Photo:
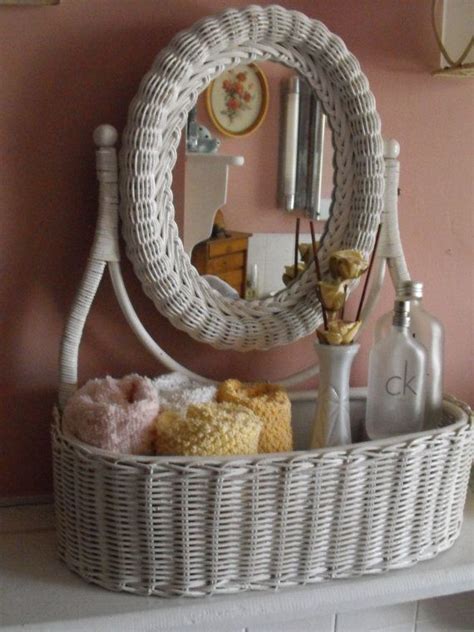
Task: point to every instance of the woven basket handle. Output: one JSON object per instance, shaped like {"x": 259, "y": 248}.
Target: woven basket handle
{"x": 389, "y": 250}
{"x": 390, "y": 246}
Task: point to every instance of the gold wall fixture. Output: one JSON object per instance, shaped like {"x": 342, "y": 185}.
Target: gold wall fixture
{"x": 456, "y": 67}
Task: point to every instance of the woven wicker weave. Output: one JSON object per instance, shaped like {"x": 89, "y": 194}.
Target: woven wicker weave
{"x": 156, "y": 118}
{"x": 181, "y": 526}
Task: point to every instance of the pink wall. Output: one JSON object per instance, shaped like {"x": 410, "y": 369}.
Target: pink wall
{"x": 65, "y": 70}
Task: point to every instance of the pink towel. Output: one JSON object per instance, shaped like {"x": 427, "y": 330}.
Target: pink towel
{"x": 115, "y": 415}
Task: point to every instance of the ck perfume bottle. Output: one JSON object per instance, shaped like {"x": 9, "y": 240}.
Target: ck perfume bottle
{"x": 397, "y": 380}
{"x": 428, "y": 331}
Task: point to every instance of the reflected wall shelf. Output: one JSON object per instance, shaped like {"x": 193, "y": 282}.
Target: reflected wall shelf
{"x": 205, "y": 191}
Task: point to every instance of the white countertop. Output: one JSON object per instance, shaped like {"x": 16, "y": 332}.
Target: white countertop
{"x": 38, "y": 592}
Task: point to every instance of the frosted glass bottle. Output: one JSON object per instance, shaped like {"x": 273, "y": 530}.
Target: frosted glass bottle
{"x": 428, "y": 331}
{"x": 397, "y": 379}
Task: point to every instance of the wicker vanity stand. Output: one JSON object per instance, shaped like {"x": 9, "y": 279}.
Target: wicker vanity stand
{"x": 198, "y": 526}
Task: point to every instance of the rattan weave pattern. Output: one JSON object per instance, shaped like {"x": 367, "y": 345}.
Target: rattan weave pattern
{"x": 182, "y": 526}
{"x": 158, "y": 114}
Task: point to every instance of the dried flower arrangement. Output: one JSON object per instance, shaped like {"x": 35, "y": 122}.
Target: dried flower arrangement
{"x": 344, "y": 266}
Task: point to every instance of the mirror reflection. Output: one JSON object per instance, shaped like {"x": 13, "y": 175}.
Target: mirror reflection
{"x": 255, "y": 162}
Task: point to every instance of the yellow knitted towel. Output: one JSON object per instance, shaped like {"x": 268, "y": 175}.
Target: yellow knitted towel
{"x": 271, "y": 403}
{"x": 208, "y": 430}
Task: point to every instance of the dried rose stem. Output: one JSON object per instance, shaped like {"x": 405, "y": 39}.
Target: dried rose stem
{"x": 367, "y": 276}
{"x": 297, "y": 240}
{"x": 318, "y": 275}
{"x": 344, "y": 304}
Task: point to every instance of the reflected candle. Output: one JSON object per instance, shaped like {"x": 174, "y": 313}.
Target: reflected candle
{"x": 291, "y": 143}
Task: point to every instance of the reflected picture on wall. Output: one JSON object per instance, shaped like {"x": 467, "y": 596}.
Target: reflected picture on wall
{"x": 237, "y": 101}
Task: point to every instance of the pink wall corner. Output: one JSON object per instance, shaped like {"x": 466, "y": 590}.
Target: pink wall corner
{"x": 65, "y": 71}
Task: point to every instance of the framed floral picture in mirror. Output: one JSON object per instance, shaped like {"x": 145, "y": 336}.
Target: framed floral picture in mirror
{"x": 237, "y": 101}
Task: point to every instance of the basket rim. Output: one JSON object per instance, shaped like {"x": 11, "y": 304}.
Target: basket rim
{"x": 460, "y": 410}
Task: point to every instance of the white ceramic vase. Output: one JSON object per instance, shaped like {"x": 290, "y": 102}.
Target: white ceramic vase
{"x": 332, "y": 425}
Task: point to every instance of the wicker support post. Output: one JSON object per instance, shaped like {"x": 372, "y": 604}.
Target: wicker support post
{"x": 391, "y": 246}
{"x": 104, "y": 249}
{"x": 389, "y": 250}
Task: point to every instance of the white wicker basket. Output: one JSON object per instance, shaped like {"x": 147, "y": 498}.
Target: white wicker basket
{"x": 180, "y": 526}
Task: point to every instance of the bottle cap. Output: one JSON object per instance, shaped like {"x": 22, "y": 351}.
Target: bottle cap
{"x": 401, "y": 313}
{"x": 410, "y": 289}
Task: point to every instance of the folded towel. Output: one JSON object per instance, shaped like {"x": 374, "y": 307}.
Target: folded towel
{"x": 208, "y": 430}
{"x": 271, "y": 403}
{"x": 115, "y": 415}
{"x": 177, "y": 392}
{"x": 173, "y": 381}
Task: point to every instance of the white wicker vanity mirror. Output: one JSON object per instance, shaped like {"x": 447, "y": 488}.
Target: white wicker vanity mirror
{"x": 156, "y": 119}
{"x": 167, "y": 525}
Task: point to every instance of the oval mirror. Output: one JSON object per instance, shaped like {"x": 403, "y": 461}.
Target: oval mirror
{"x": 156, "y": 118}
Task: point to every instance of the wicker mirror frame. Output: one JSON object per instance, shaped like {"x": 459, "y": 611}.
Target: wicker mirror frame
{"x": 156, "y": 118}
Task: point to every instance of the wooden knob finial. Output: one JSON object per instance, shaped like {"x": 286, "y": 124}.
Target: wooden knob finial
{"x": 105, "y": 136}
{"x": 391, "y": 148}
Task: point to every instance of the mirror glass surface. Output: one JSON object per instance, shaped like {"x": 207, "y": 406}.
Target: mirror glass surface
{"x": 235, "y": 224}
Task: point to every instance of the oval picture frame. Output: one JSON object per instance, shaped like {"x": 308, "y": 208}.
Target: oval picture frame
{"x": 156, "y": 119}
{"x": 237, "y": 100}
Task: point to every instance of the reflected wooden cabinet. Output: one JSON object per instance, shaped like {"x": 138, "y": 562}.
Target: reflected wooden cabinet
{"x": 224, "y": 257}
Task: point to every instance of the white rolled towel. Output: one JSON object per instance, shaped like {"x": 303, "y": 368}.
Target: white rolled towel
{"x": 177, "y": 391}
